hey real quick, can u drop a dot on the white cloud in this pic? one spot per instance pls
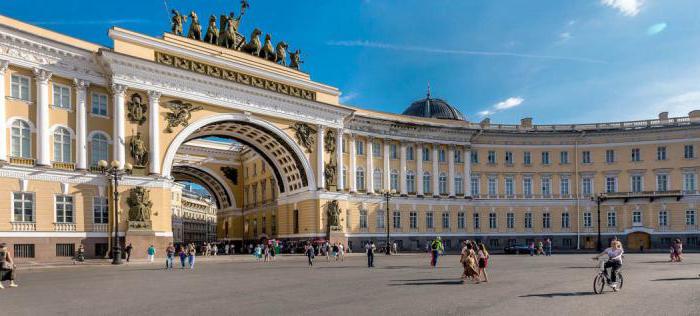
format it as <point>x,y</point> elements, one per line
<point>347,97</point>
<point>564,36</point>
<point>626,7</point>
<point>502,106</point>
<point>656,28</point>
<point>485,113</point>
<point>679,105</point>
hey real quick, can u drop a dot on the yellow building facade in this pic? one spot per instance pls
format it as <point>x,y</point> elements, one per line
<point>293,150</point>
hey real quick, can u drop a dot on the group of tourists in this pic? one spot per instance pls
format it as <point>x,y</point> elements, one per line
<point>336,251</point>
<point>187,254</point>
<point>540,247</point>
<point>265,252</point>
<point>474,258</point>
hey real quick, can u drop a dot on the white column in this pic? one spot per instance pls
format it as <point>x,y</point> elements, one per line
<point>436,171</point>
<point>119,128</point>
<point>339,159</point>
<point>402,169</point>
<point>467,172</point>
<point>451,170</point>
<point>419,169</point>
<point>81,123</point>
<point>320,175</point>
<point>387,166</point>
<point>42,116</point>
<point>370,169</point>
<point>353,165</point>
<point>3,129</point>
<point>154,131</point>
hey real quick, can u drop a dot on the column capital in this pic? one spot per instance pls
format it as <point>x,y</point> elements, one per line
<point>154,95</point>
<point>117,88</point>
<point>3,66</point>
<point>42,75</point>
<point>80,84</point>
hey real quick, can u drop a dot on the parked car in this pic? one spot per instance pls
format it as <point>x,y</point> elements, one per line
<point>516,249</point>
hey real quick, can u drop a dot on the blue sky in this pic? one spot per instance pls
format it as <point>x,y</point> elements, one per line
<point>556,61</point>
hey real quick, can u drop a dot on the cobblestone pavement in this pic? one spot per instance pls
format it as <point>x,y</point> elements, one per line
<point>399,285</point>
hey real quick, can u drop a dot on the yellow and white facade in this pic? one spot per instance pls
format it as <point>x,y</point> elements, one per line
<point>63,106</point>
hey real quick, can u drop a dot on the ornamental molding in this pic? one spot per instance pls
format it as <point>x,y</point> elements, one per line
<point>31,51</point>
<point>408,132</point>
<point>77,177</point>
<point>146,75</point>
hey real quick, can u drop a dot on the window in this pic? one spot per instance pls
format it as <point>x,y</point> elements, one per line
<point>458,156</point>
<point>61,145</point>
<point>564,186</point>
<point>394,183</point>
<point>377,180</point>
<point>393,152</point>
<point>429,220</point>
<point>474,156</point>
<point>688,152</point>
<point>21,139</point>
<point>610,184</point>
<point>612,219</point>
<point>609,156</point>
<point>509,186</point>
<point>426,154</point>
<point>689,181</point>
<point>64,209</point>
<point>587,186</point>
<point>380,219</point>
<point>459,185</point>
<point>348,223</point>
<point>492,186</point>
<point>295,220</point>
<point>527,186</point>
<point>100,210</point>
<point>413,220</point>
<point>637,217</point>
<point>24,250</point>
<point>376,149</point>
<point>20,87</point>
<point>359,147</point>
<point>546,186</point>
<point>409,153</point>
<point>61,96</point>
<point>564,157</point>
<point>663,218</point>
<point>99,104</point>
<point>661,182</point>
<point>475,185</point>
<point>661,153</point>
<point>411,182</point>
<point>475,217</point>
<point>426,182</point>
<point>565,223</point>
<point>636,155</point>
<point>360,179</point>
<point>442,157</point>
<point>586,157</point>
<point>546,220</point>
<point>461,221</point>
<point>545,157</point>
<point>442,183</point>
<point>587,219</point>
<point>527,158</point>
<point>690,217</point>
<point>397,220</point>
<point>65,250</point>
<point>445,220</point>
<point>23,207</point>
<point>492,220</point>
<point>636,183</point>
<point>509,157</point>
<point>363,219</point>
<point>491,157</point>
<point>528,220</point>
<point>510,220</point>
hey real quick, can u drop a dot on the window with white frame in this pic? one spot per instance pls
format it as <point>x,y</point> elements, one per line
<point>612,219</point>
<point>22,207</point>
<point>663,218</point>
<point>508,157</point>
<point>61,96</point>
<point>429,220</point>
<point>461,221</point>
<point>475,185</point>
<point>377,180</point>
<point>99,104</point>
<point>360,179</point>
<point>21,139</point>
<point>61,145</point>
<point>359,147</point>
<point>409,153</point>
<point>587,186</point>
<point>688,151</point>
<point>475,220</point>
<point>564,157</point>
<point>442,183</point>
<point>445,220</point>
<point>411,181</point>
<point>546,220</point>
<point>636,217</point>
<point>546,186</point>
<point>442,157</point>
<point>527,186</point>
<point>565,220</point>
<point>396,220</point>
<point>610,184</point>
<point>100,210</point>
<point>587,219</point>
<point>64,209</point>
<point>491,156</point>
<point>492,186</point>
<point>427,183</point>
<point>380,218</point>
<point>376,149</point>
<point>363,219</point>
<point>662,182</point>
<point>545,158</point>
<point>527,158</point>
<point>459,185</point>
<point>492,221</point>
<point>508,186</point>
<point>510,220</point>
<point>426,153</point>
<point>394,177</point>
<point>637,183</point>
<point>586,157</point>
<point>474,156</point>
<point>636,154</point>
<point>689,182</point>
<point>609,156</point>
<point>413,220</point>
<point>458,156</point>
<point>527,220</point>
<point>564,188</point>
<point>690,217</point>
<point>19,88</point>
<point>661,153</point>
<point>393,152</point>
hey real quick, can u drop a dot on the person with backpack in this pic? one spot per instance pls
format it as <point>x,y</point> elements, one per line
<point>436,249</point>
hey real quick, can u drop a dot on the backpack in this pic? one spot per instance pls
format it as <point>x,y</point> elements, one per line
<point>434,246</point>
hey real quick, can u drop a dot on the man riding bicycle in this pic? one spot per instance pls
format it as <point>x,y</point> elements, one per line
<point>614,262</point>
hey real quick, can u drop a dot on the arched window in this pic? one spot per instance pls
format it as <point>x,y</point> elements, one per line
<point>21,139</point>
<point>99,149</point>
<point>411,182</point>
<point>426,183</point>
<point>377,180</point>
<point>61,145</point>
<point>443,183</point>
<point>394,184</point>
<point>459,185</point>
<point>360,179</point>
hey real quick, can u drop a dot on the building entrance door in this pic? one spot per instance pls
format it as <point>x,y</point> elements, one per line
<point>638,241</point>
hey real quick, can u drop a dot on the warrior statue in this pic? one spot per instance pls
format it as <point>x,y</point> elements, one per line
<point>178,20</point>
<point>195,31</point>
<point>281,53</point>
<point>295,59</point>
<point>333,211</point>
<point>267,51</point>
<point>329,174</point>
<point>138,151</point>
<point>253,46</point>
<point>212,36</point>
<point>228,26</point>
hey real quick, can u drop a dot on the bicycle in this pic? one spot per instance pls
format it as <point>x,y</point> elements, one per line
<point>602,279</point>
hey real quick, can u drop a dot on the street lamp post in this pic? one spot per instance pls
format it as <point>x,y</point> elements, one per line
<point>115,174</point>
<point>387,195</point>
<point>599,199</point>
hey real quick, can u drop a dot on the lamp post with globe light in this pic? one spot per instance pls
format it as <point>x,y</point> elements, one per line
<point>114,174</point>
<point>387,195</point>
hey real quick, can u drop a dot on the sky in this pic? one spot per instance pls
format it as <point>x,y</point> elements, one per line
<point>556,61</point>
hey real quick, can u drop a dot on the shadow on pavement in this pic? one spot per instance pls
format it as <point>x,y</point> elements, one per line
<point>448,282</point>
<point>421,280</point>
<point>550,295</point>
<point>679,279</point>
<point>589,267</point>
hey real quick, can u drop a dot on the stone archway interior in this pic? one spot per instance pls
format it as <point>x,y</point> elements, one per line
<point>203,178</point>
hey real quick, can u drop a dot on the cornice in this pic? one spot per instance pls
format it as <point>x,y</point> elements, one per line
<point>77,177</point>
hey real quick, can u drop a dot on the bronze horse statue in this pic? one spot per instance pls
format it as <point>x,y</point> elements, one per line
<point>195,31</point>
<point>281,53</point>
<point>212,36</point>
<point>268,52</point>
<point>254,46</point>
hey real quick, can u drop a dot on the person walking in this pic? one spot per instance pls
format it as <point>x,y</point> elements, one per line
<point>273,252</point>
<point>128,249</point>
<point>370,248</point>
<point>215,250</point>
<point>310,254</point>
<point>79,255</point>
<point>267,252</point>
<point>436,249</point>
<point>341,252</point>
<point>548,247</point>
<point>151,253</point>
<point>468,260</point>
<point>531,247</point>
<point>483,256</point>
<point>539,248</point>
<point>7,266</point>
<point>335,251</point>
<point>395,247</point>
<point>169,256</point>
<point>191,254</point>
<point>183,255</point>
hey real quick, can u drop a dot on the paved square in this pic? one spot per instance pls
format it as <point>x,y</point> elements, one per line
<point>399,285</point>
